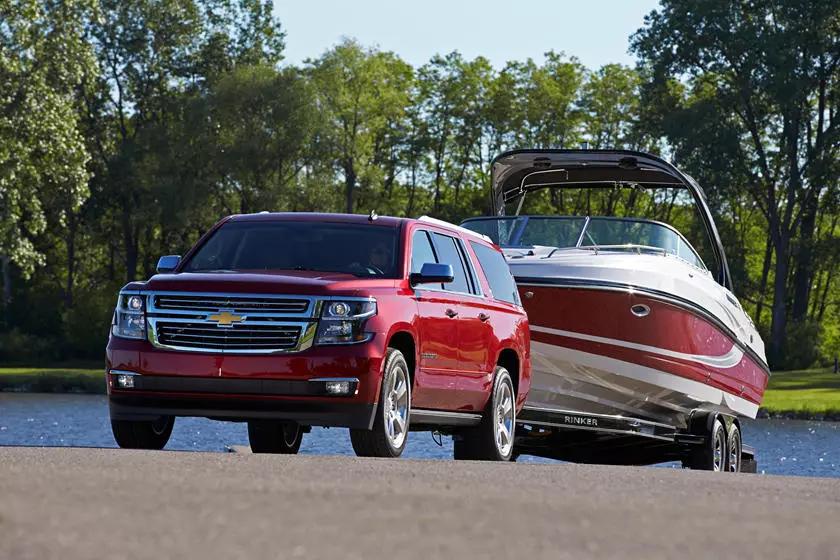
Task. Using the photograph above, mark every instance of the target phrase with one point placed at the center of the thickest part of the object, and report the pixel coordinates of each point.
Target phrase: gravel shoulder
(99, 503)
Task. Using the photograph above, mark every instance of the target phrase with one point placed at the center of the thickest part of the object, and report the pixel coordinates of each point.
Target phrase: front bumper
(335, 414)
(240, 387)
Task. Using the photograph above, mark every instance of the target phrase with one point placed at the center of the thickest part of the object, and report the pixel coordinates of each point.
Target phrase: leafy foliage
(127, 128)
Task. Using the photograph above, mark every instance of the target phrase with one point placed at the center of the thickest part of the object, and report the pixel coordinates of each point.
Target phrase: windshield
(360, 249)
(581, 232)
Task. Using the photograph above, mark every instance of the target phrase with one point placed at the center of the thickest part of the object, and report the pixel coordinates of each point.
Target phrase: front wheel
(390, 426)
(267, 436)
(143, 434)
(492, 439)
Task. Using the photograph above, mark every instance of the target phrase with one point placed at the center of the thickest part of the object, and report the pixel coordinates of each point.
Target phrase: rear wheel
(492, 439)
(733, 446)
(143, 434)
(712, 454)
(267, 436)
(390, 426)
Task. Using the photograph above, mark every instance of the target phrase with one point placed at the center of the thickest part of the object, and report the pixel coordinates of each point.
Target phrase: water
(790, 447)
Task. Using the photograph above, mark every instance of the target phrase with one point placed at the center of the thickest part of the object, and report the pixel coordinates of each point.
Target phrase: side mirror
(168, 263)
(433, 273)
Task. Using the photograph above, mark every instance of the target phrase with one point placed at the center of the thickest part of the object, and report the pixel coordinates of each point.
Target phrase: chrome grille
(236, 304)
(243, 338)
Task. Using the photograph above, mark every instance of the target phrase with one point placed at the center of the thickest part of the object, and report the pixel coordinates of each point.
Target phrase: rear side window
(449, 254)
(498, 273)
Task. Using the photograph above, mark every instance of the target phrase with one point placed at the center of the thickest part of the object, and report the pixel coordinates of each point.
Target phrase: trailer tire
(711, 455)
(734, 461)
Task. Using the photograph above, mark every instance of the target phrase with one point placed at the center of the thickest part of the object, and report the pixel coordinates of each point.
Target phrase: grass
(53, 380)
(812, 391)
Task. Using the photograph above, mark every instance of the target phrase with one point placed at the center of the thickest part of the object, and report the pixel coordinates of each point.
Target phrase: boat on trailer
(640, 351)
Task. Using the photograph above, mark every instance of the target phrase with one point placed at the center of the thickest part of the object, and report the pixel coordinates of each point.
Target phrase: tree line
(127, 128)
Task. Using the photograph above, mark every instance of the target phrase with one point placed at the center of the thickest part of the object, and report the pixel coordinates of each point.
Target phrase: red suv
(287, 321)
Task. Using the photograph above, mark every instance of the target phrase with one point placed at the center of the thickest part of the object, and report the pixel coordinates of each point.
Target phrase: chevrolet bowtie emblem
(225, 318)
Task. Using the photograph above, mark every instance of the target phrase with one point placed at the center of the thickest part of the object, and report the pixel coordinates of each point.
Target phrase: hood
(516, 172)
(280, 282)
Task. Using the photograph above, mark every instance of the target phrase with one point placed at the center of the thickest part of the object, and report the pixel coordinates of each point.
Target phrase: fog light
(338, 387)
(125, 381)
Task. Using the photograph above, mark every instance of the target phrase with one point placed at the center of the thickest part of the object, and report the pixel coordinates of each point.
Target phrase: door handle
(484, 317)
(451, 313)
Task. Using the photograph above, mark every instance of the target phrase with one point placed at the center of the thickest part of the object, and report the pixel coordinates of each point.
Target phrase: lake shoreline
(89, 383)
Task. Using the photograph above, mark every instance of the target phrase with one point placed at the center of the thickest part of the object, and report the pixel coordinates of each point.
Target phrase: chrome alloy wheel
(719, 460)
(396, 408)
(734, 448)
(504, 420)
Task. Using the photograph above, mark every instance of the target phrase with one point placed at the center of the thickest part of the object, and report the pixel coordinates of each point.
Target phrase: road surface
(105, 503)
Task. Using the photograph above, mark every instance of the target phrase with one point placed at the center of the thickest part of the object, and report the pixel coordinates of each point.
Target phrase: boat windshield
(596, 232)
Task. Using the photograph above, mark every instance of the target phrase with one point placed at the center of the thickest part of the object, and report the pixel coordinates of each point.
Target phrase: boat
(641, 352)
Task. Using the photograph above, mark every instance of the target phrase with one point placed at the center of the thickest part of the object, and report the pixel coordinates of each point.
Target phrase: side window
(421, 250)
(449, 254)
(498, 273)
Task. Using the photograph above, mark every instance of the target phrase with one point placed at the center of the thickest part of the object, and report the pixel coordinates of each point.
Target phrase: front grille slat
(266, 323)
(239, 304)
(241, 337)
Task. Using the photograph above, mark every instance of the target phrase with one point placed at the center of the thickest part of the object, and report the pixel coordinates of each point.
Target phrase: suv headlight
(342, 321)
(130, 317)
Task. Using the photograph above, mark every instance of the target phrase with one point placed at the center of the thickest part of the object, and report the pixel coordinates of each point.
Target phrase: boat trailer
(619, 440)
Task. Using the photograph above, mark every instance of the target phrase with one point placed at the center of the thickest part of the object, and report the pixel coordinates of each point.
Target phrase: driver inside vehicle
(380, 256)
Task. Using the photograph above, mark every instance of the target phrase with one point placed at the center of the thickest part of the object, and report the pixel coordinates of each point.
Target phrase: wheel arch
(509, 359)
(405, 342)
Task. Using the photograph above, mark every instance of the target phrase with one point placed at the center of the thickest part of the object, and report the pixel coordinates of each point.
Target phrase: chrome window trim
(462, 253)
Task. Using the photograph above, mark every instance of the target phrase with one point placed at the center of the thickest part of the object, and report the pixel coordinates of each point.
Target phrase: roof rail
(442, 223)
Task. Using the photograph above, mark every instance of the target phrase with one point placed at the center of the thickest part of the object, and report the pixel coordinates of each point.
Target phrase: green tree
(44, 59)
(774, 67)
(610, 102)
(361, 92)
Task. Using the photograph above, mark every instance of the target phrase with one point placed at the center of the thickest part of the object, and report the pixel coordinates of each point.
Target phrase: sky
(595, 31)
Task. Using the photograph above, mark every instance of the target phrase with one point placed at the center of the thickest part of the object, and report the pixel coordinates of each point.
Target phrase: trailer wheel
(733, 446)
(712, 454)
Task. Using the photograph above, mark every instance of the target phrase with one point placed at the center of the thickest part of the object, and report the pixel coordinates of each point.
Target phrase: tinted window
(498, 273)
(359, 249)
(448, 252)
(421, 251)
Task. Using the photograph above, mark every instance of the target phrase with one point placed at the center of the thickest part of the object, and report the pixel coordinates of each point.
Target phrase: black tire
(486, 441)
(712, 454)
(143, 434)
(272, 436)
(733, 447)
(394, 402)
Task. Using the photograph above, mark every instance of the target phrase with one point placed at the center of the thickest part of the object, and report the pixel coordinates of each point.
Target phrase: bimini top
(517, 172)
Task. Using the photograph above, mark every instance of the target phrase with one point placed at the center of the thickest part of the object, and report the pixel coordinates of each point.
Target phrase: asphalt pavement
(67, 503)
